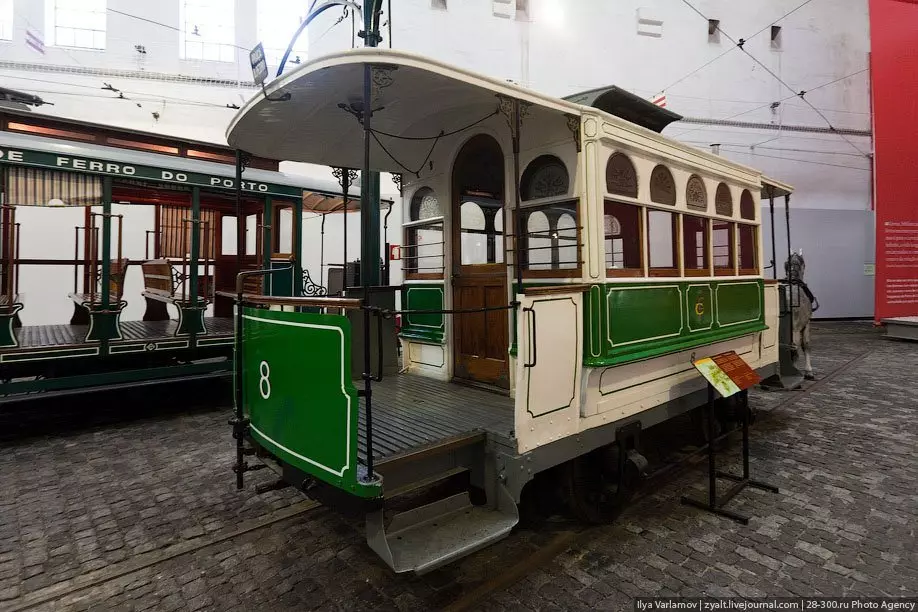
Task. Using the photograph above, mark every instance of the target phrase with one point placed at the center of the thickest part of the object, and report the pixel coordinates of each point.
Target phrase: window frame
(729, 270)
(184, 36)
(52, 25)
(408, 230)
(755, 250)
(668, 272)
(640, 271)
(576, 272)
(708, 248)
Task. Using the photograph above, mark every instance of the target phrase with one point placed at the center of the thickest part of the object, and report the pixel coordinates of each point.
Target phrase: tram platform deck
(39, 336)
(414, 414)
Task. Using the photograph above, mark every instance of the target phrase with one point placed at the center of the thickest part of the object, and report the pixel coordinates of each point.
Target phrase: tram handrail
(270, 300)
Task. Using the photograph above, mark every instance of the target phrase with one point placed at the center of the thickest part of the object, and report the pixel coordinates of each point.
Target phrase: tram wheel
(593, 491)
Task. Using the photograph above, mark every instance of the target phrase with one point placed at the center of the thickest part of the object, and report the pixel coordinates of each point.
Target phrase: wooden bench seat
(104, 323)
(160, 290)
(94, 299)
(6, 302)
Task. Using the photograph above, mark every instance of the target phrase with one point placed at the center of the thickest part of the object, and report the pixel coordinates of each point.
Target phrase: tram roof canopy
(414, 97)
(775, 188)
(51, 153)
(616, 101)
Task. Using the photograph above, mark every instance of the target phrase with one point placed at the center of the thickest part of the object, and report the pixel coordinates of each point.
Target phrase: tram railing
(245, 302)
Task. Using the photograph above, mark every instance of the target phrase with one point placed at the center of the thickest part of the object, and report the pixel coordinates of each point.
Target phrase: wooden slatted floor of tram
(39, 336)
(414, 413)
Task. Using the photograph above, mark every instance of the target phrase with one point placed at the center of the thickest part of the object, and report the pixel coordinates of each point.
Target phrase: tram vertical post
(267, 221)
(298, 247)
(774, 250)
(321, 251)
(239, 421)
(517, 241)
(365, 274)
(195, 246)
(369, 219)
(106, 240)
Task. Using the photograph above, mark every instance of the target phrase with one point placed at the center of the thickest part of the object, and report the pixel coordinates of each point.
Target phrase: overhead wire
(781, 101)
(801, 94)
(709, 62)
(151, 96)
(802, 161)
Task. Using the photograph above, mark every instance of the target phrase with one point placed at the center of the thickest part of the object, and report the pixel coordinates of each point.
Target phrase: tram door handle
(533, 348)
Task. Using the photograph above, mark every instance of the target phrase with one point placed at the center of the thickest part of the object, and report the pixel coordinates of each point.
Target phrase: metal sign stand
(714, 503)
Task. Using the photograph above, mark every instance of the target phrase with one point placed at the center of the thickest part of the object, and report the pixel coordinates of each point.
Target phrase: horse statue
(803, 304)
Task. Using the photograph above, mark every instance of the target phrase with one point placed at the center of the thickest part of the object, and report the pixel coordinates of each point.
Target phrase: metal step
(430, 536)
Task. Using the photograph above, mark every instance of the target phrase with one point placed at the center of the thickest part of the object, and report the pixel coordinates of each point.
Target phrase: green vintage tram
(564, 265)
(127, 293)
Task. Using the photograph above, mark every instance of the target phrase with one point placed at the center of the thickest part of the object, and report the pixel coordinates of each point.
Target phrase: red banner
(894, 76)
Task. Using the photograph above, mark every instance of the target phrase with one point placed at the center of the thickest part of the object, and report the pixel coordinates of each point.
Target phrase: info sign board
(727, 372)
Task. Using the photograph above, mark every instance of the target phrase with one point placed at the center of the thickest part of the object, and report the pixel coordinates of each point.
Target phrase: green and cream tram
(563, 264)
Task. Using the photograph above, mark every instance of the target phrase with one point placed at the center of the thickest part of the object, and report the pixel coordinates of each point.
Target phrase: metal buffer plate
(427, 537)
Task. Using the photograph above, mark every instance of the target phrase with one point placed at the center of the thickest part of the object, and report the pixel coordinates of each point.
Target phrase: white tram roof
(418, 98)
(317, 187)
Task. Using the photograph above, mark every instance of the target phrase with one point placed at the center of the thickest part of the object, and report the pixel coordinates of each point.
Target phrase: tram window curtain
(550, 244)
(748, 257)
(663, 241)
(175, 232)
(35, 187)
(695, 246)
(724, 250)
(623, 239)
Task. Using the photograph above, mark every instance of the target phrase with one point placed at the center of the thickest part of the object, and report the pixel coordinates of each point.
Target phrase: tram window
(228, 235)
(550, 245)
(568, 248)
(662, 237)
(695, 246)
(723, 247)
(748, 258)
(624, 248)
(283, 237)
(480, 240)
(538, 243)
(251, 235)
(423, 256)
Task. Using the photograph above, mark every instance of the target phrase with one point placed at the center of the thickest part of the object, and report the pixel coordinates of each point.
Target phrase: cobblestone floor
(143, 515)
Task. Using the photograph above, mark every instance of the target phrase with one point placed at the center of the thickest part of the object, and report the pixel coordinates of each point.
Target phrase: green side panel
(299, 396)
(423, 327)
(643, 313)
(739, 302)
(281, 282)
(699, 307)
(594, 322)
(650, 319)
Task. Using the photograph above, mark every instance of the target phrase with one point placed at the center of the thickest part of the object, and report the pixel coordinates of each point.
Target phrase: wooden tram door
(226, 266)
(479, 270)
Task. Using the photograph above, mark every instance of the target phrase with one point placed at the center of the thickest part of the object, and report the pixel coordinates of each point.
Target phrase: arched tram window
(550, 244)
(424, 241)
